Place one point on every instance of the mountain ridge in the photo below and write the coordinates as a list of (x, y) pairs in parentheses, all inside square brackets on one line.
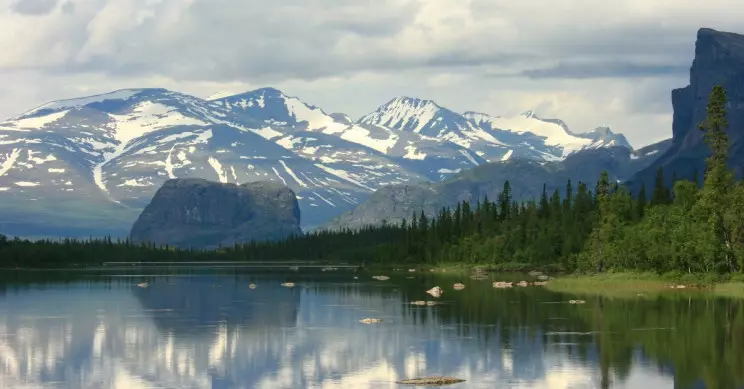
[(107, 153)]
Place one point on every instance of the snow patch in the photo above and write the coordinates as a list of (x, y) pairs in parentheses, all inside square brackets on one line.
[(27, 183), (204, 137), (147, 117), (469, 157), (4, 189), (268, 133), (10, 160), (40, 161), (169, 163), (507, 155), (55, 170), (40, 121), (135, 183), (292, 174), (288, 142), (344, 175), (449, 171), (361, 135), (324, 199), (279, 175), (412, 153), (217, 166)]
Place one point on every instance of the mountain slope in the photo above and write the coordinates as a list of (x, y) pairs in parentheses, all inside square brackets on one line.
[(88, 166), (393, 203)]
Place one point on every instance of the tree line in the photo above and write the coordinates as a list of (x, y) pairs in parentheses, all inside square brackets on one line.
[(690, 227)]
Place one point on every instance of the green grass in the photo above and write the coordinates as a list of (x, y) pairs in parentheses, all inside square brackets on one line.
[(647, 284)]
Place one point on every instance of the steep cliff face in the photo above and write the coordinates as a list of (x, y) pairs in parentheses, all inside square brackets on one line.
[(719, 59), (198, 213)]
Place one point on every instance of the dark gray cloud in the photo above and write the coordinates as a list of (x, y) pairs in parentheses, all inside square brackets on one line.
[(33, 7), (607, 70)]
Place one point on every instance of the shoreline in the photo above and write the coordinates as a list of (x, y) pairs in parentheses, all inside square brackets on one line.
[(641, 284)]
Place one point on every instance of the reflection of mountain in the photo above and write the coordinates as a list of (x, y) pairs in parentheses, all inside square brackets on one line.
[(186, 334), (192, 304)]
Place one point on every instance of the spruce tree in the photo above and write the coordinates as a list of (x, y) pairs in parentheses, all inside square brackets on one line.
[(719, 181), (641, 202), (661, 194)]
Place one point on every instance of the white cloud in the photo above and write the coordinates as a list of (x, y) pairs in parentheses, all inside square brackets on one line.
[(591, 63)]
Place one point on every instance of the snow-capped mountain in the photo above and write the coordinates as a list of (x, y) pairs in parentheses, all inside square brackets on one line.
[(89, 165)]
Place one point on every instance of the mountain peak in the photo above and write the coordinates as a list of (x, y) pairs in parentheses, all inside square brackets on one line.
[(404, 113), (529, 114), (409, 101)]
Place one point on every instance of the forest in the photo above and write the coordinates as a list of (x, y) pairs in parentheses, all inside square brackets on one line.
[(691, 227)]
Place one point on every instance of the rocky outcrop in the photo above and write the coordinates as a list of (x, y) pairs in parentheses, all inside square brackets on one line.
[(719, 59), (198, 213)]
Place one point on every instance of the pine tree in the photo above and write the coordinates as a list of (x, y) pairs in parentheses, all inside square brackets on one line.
[(505, 201), (641, 202), (661, 194), (718, 186), (604, 227)]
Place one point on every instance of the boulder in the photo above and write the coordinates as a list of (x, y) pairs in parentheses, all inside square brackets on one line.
[(196, 213)]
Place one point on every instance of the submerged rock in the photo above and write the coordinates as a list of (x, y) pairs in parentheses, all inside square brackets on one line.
[(503, 284), (370, 321), (288, 284), (143, 284), (576, 301), (381, 278), (196, 213), (430, 381), (459, 286)]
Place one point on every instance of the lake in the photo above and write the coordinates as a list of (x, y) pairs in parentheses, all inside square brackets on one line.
[(208, 329)]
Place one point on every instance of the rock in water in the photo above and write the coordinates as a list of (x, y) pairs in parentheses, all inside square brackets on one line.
[(197, 213)]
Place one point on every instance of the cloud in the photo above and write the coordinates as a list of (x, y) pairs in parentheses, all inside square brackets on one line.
[(33, 7), (352, 55), (606, 70)]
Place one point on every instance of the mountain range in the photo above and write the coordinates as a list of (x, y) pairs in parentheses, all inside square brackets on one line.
[(88, 166)]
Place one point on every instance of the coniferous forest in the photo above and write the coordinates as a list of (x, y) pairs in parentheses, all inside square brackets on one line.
[(691, 227)]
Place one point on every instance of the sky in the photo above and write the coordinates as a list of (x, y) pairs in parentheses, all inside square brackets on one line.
[(588, 62)]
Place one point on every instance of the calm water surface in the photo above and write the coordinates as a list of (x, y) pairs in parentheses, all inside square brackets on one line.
[(210, 330)]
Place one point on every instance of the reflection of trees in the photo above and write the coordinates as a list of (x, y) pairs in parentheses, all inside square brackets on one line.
[(176, 333), (701, 337), (216, 332)]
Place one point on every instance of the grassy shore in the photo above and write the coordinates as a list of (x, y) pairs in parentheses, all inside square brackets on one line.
[(644, 284)]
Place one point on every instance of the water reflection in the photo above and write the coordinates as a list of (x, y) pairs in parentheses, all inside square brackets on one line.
[(215, 332)]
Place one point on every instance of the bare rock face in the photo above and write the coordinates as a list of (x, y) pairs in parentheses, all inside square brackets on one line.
[(719, 59), (197, 213)]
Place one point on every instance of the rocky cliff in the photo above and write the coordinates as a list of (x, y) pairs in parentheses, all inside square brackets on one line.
[(198, 213), (719, 59)]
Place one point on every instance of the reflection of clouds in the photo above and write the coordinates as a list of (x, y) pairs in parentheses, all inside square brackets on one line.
[(112, 336)]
